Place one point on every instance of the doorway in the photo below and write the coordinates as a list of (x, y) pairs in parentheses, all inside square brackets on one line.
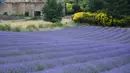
[(37, 13)]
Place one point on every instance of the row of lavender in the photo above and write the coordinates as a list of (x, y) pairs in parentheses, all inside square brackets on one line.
[(71, 50)]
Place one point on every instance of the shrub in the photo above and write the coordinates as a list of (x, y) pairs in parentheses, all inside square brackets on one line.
[(127, 20), (52, 10), (40, 26), (17, 29), (124, 22), (56, 25), (7, 27), (79, 17), (32, 27), (2, 27), (103, 19), (59, 24), (90, 17), (5, 13), (84, 17), (34, 18), (100, 18)]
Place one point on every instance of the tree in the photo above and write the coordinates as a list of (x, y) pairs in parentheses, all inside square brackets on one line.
[(53, 11), (69, 1), (118, 8), (83, 5), (78, 5), (69, 8), (95, 5)]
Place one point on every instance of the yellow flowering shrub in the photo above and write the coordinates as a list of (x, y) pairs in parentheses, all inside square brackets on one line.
[(90, 17), (79, 17), (90, 14), (127, 20), (122, 22), (100, 18), (103, 19)]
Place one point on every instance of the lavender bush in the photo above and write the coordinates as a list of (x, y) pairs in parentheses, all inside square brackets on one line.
[(87, 49)]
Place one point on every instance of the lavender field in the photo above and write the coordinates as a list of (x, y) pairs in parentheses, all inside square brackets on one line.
[(87, 49)]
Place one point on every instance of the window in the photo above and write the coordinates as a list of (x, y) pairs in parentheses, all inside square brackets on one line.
[(26, 13), (37, 13)]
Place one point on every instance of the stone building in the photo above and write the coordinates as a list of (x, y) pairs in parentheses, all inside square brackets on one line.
[(28, 7)]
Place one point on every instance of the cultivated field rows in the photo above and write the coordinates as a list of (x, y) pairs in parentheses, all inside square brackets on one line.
[(86, 49)]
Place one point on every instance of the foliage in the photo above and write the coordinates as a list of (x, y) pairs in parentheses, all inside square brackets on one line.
[(118, 8), (115, 8), (103, 19), (83, 5), (76, 8), (34, 18), (5, 13), (69, 1), (95, 5), (100, 18), (5, 27), (34, 25), (32, 28), (17, 29), (78, 5), (79, 17), (59, 24), (69, 8), (52, 10), (87, 5), (103, 12), (2, 27), (84, 17)]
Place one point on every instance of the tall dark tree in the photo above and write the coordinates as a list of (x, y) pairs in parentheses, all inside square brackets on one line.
[(76, 6), (95, 5), (53, 10), (118, 8)]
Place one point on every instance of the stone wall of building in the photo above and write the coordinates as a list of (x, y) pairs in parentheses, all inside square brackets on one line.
[(6, 7), (32, 7), (13, 7)]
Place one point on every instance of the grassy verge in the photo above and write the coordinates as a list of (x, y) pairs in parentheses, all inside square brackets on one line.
[(33, 25)]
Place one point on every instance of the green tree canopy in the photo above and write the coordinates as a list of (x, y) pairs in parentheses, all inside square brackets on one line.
[(53, 10), (118, 8)]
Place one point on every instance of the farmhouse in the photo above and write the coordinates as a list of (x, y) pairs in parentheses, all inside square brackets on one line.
[(21, 7)]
